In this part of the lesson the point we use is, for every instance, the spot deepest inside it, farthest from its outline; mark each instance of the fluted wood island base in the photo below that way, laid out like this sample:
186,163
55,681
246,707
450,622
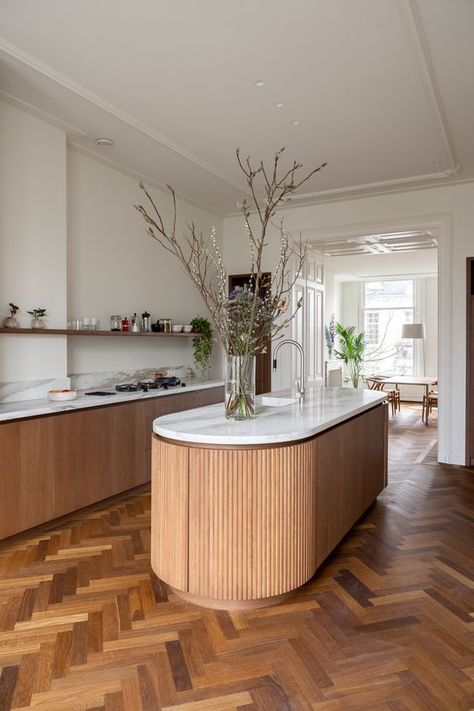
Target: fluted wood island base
237,526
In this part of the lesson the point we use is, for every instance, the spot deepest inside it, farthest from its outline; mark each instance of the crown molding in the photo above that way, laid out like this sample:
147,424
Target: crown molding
415,24
115,165
61,79
366,191
68,128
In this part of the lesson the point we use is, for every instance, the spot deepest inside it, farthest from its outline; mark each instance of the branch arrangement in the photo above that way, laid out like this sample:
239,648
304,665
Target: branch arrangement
249,316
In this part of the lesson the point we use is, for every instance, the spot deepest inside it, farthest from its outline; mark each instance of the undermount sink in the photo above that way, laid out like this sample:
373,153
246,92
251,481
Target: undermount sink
269,401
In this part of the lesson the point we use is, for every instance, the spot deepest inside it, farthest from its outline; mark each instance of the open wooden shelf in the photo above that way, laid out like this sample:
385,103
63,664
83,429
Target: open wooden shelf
71,332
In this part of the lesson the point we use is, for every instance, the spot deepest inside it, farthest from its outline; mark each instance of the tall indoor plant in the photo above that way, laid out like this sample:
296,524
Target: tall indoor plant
245,319
350,349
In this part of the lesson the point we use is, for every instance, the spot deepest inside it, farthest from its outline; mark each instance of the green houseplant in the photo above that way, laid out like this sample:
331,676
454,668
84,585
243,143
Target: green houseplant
350,349
202,344
37,317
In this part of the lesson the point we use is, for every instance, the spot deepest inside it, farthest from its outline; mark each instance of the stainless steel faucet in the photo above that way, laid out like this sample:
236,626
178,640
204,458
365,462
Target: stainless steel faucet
299,384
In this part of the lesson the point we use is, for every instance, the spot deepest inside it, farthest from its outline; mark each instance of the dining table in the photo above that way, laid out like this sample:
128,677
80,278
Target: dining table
425,381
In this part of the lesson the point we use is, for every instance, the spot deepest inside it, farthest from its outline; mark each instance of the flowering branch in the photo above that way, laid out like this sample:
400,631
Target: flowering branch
250,316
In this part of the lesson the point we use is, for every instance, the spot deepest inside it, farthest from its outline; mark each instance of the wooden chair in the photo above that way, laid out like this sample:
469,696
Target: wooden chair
393,396
429,401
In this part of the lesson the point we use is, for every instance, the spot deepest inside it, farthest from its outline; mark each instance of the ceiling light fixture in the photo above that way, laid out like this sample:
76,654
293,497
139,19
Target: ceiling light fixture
259,82
279,104
295,123
107,142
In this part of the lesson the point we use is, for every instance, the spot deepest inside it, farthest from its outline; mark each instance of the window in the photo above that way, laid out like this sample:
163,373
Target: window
387,305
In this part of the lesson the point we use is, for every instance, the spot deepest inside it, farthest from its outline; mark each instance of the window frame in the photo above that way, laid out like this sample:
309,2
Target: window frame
363,308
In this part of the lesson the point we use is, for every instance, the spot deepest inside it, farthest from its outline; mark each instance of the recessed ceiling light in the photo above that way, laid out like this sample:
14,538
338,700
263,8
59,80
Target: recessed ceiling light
259,82
107,142
279,104
295,123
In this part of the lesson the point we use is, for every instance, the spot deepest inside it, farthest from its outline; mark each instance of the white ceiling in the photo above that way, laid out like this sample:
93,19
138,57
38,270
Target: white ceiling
382,88
365,266
387,243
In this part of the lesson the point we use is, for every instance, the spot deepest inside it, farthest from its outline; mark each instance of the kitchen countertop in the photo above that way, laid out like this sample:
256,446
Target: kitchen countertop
321,409
35,408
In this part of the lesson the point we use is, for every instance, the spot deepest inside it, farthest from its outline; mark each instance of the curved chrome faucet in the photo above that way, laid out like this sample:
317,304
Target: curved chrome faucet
299,347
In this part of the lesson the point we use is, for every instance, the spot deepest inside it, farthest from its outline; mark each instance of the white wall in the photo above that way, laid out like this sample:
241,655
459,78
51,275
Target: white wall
456,204
71,241
32,241
115,268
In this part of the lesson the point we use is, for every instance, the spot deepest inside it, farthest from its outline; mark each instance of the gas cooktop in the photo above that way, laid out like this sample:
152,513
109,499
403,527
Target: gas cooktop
145,386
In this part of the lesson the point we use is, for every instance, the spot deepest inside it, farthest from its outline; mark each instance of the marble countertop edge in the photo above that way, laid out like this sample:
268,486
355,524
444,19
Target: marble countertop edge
322,409
37,408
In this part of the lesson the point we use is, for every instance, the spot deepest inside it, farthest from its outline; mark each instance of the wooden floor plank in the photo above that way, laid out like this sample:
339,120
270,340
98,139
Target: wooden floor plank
386,624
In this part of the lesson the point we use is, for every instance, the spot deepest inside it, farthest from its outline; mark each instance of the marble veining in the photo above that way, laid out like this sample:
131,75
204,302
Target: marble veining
321,409
108,379
19,390
35,408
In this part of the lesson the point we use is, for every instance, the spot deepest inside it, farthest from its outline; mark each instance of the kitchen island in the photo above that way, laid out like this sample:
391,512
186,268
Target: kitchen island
243,513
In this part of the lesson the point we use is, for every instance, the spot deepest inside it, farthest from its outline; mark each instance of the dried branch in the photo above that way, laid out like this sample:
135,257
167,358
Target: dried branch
247,319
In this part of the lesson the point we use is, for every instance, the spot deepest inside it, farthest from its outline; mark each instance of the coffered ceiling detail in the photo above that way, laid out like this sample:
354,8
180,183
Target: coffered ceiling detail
380,89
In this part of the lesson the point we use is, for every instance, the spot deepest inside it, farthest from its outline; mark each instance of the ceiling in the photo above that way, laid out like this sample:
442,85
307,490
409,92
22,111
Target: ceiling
382,89
393,264
388,243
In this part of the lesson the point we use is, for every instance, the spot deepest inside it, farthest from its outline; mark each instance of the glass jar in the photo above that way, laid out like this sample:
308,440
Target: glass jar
115,323
166,324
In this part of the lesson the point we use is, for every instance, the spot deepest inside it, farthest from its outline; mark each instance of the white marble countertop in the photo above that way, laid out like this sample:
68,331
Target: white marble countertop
35,408
321,409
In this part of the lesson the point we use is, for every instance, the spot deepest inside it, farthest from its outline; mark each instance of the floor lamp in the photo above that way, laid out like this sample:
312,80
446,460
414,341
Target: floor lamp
415,331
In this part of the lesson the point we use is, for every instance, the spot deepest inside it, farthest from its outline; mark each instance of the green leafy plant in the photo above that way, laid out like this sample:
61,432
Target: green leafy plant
350,349
37,313
202,343
13,309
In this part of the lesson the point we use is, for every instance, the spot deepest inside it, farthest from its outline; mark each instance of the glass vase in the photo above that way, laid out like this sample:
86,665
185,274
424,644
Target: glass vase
240,387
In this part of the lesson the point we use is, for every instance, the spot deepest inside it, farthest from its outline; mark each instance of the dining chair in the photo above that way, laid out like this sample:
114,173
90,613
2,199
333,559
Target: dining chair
393,395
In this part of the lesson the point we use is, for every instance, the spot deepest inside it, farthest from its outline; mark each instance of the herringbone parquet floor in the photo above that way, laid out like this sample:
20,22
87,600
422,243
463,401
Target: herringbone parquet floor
385,624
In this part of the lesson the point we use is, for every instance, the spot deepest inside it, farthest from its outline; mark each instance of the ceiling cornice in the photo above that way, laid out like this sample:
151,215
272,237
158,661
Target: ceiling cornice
100,158
68,83
68,128
415,24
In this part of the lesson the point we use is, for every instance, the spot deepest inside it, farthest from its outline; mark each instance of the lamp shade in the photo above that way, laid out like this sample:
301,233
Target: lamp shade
413,330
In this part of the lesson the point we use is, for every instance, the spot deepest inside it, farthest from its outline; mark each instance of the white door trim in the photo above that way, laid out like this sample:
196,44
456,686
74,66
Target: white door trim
441,224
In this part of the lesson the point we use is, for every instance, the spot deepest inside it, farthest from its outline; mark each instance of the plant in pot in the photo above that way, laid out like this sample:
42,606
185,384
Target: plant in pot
350,349
11,321
202,344
37,317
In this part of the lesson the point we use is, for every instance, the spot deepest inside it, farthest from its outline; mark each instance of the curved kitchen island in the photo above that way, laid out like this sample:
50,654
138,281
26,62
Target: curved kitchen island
245,512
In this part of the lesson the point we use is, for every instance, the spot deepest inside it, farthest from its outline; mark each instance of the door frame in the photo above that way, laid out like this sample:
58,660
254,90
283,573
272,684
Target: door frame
441,224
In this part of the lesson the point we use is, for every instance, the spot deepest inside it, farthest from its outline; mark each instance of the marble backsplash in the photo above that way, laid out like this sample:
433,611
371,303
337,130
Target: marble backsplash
19,390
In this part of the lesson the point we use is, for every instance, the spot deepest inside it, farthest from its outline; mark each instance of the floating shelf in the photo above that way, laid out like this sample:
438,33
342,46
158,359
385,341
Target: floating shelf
71,332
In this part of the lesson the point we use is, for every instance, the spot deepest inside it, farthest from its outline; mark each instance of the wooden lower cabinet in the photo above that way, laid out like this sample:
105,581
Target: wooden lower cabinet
351,466
26,474
99,453
55,464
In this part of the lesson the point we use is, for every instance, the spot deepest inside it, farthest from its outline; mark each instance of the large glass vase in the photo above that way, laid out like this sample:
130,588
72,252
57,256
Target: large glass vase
240,387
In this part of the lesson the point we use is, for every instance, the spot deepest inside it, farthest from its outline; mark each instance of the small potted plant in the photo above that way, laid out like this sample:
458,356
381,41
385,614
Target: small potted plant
10,321
38,316
202,345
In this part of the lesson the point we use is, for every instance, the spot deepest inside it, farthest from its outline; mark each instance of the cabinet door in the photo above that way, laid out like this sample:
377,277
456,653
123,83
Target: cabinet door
351,465
26,474
99,453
